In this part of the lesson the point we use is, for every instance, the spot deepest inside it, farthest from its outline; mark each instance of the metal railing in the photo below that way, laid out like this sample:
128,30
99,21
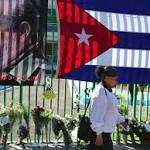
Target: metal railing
64,103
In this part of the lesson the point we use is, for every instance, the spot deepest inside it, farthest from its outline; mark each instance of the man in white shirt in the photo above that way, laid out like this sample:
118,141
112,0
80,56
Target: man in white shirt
103,109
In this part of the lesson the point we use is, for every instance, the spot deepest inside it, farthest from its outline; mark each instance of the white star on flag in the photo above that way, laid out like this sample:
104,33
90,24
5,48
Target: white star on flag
83,37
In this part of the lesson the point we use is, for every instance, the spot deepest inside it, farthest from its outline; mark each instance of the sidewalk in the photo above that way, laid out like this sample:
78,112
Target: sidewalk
51,147
132,147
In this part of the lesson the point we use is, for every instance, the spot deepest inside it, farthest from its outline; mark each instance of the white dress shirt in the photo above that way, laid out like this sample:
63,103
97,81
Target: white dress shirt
103,111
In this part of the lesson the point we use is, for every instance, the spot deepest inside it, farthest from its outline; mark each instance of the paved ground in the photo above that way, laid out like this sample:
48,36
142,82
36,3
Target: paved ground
51,147
132,147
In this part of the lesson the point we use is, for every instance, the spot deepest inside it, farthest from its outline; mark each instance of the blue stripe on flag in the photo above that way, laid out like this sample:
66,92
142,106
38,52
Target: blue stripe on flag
130,40
127,75
119,6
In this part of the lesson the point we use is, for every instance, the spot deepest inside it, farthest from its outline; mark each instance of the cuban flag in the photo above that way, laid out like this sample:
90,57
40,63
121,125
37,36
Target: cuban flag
107,33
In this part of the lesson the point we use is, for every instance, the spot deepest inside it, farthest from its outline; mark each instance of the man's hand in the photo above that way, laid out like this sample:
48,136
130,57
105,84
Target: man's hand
99,140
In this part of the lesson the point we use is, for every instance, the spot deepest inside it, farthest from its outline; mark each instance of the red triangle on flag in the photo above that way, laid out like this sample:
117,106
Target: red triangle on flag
82,37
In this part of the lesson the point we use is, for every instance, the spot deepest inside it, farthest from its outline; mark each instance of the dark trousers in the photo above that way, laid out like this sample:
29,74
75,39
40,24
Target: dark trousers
107,143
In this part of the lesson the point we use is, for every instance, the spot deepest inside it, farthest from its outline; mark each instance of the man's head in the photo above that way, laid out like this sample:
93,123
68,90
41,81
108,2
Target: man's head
19,31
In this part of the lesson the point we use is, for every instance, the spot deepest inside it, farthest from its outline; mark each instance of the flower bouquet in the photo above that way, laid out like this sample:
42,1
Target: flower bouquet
22,132
139,129
41,118
46,117
127,131
8,117
23,129
37,118
59,126
123,109
5,128
49,93
123,130
71,123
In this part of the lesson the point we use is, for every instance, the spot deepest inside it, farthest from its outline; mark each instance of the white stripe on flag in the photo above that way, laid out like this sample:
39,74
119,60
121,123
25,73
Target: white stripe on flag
122,58
147,55
128,26
143,26
148,60
125,21
143,62
121,19
136,58
136,24
129,58
114,57
148,26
